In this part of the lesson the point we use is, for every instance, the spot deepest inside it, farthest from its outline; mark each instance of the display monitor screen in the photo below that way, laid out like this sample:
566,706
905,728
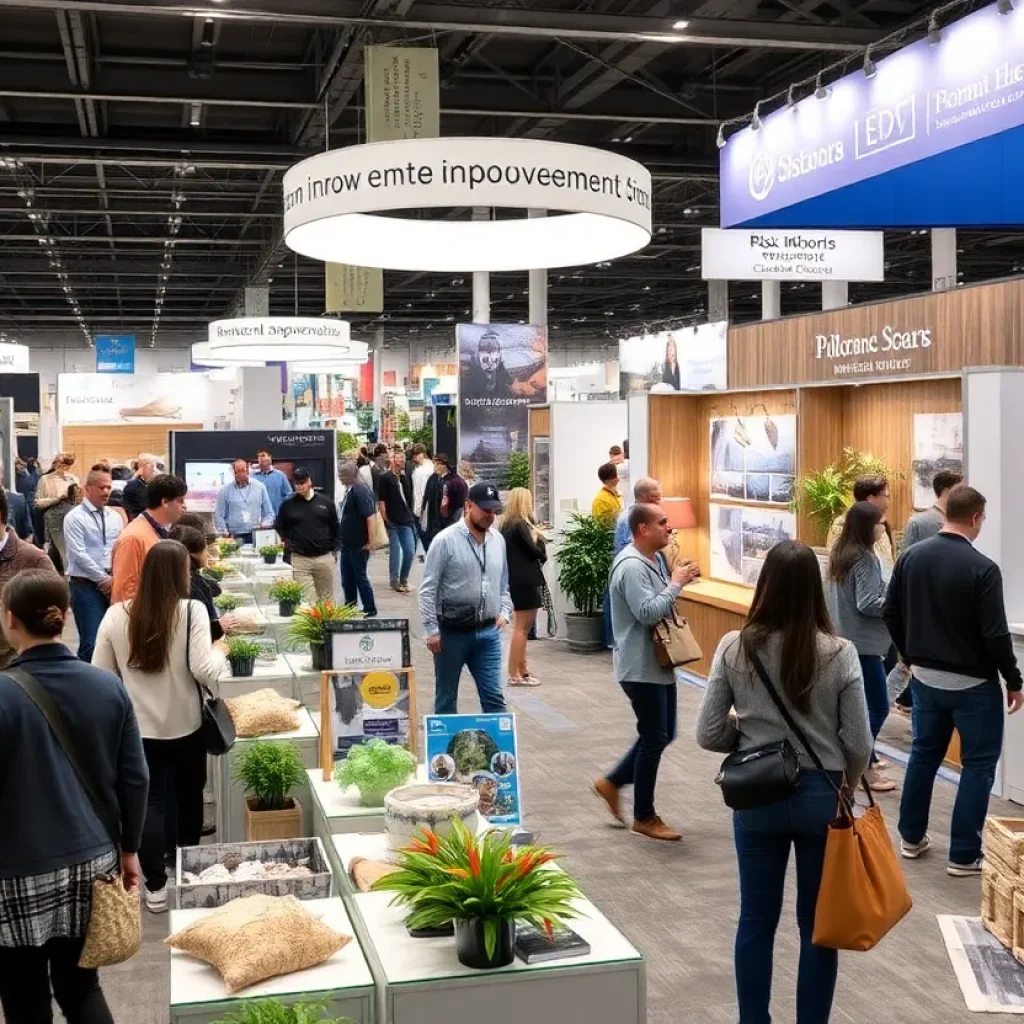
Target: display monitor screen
205,480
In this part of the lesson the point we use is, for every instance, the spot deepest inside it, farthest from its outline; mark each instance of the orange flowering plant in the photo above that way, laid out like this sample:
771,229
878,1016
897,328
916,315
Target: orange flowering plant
464,876
307,625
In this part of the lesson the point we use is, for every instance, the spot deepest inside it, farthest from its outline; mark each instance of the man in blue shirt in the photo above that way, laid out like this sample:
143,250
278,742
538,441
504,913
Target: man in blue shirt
274,480
355,516
646,491
90,530
242,506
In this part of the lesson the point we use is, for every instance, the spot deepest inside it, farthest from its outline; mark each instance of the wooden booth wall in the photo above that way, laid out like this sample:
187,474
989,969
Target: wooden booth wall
121,443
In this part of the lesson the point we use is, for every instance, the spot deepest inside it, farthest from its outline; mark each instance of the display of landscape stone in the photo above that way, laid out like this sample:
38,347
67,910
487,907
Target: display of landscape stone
221,874
430,806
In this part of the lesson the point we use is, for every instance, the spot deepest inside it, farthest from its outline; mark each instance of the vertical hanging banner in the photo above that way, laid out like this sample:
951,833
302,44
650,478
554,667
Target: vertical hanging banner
115,353
503,370
403,101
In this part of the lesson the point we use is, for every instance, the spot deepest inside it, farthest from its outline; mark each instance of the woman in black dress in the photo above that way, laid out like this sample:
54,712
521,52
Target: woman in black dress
525,550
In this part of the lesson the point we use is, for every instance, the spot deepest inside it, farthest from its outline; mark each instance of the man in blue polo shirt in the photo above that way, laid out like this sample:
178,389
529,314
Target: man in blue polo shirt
276,483
242,506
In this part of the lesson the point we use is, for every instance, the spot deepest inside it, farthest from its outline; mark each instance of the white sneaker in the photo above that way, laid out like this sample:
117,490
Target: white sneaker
156,902
914,850
525,681
964,870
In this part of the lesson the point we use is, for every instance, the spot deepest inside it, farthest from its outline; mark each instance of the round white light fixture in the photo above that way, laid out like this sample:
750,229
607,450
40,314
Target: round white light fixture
282,339
202,356
334,205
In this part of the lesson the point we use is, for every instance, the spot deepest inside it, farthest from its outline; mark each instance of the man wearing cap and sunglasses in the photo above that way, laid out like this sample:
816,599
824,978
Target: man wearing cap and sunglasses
465,603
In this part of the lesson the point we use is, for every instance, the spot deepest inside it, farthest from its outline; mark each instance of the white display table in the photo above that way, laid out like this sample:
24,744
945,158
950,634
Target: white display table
343,982
346,846
229,796
307,680
265,576
1009,782
277,625
278,676
420,981
245,564
241,585
336,810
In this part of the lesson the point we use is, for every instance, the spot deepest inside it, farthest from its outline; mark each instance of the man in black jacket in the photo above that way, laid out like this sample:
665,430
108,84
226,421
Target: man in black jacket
945,613
135,494
308,524
395,504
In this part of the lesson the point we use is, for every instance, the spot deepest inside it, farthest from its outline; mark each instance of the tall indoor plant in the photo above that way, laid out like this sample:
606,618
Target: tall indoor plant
308,626
584,561
269,770
484,885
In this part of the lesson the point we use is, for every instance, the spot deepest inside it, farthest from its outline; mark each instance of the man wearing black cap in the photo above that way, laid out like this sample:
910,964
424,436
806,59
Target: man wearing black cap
465,603
307,522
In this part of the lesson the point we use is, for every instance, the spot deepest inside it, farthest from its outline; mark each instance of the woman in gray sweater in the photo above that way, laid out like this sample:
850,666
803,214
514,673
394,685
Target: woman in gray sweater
818,678
855,575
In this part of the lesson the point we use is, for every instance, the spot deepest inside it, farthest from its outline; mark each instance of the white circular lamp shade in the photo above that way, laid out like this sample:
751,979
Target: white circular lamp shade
334,204
201,356
282,339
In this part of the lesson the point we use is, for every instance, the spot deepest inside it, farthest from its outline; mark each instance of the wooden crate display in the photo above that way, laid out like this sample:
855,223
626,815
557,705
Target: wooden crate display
1018,926
1004,844
997,905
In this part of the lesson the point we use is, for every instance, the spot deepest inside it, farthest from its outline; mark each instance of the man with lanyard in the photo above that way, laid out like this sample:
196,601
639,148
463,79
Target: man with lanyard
274,480
242,506
165,504
90,531
465,603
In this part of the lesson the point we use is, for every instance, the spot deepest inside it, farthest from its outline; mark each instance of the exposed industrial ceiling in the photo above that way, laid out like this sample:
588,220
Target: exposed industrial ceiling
142,146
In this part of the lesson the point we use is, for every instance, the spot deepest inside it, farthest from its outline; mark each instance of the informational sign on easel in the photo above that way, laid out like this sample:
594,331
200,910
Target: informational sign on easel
365,644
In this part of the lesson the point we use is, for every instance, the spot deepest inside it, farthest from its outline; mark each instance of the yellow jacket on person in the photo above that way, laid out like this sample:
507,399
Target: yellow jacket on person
606,506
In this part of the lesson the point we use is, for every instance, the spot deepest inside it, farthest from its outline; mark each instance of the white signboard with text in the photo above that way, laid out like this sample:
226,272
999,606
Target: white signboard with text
114,398
786,255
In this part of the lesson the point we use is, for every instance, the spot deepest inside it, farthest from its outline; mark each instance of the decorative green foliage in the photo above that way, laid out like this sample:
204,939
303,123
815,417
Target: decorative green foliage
346,442
271,549
270,1011
584,562
226,602
213,572
286,591
307,626
269,770
518,470
375,767
227,548
239,647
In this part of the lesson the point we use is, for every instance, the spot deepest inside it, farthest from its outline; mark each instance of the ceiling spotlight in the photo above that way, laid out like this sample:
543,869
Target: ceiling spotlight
196,115
681,25
1004,6
755,122
720,141
869,65
934,34
821,91
790,101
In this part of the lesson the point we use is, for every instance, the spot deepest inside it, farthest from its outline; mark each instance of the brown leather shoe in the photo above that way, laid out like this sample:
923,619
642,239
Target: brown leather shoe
610,795
655,828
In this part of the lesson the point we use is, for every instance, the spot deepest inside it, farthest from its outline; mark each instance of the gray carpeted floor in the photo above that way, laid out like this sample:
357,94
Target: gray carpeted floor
676,902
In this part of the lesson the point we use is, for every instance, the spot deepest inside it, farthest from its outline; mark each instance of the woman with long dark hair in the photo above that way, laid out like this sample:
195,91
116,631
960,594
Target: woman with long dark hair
159,643
818,678
858,586
670,369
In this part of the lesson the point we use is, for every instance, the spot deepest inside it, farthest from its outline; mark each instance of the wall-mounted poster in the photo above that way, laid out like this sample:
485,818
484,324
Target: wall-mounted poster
686,359
938,445
741,537
753,458
481,751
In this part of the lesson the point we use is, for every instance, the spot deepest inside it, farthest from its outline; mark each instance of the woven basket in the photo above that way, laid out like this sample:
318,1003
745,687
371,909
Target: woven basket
1004,844
997,913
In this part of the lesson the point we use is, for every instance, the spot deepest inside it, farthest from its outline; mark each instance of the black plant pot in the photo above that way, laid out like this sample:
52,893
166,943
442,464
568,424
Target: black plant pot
270,559
242,666
472,950
286,608
319,653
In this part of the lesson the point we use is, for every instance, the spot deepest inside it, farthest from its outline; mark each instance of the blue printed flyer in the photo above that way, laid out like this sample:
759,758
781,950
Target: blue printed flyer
479,750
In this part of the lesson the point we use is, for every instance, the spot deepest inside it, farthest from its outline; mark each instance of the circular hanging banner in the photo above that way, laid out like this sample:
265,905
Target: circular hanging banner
380,689
333,202
201,356
281,339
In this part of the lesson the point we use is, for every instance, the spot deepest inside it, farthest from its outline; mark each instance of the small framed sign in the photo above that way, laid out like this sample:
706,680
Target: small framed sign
361,645
264,538
365,705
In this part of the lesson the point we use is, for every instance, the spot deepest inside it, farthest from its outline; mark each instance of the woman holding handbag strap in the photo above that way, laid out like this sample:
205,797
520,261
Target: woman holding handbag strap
818,678
59,845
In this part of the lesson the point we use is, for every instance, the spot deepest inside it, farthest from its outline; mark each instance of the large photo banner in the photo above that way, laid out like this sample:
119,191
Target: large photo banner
503,370
687,359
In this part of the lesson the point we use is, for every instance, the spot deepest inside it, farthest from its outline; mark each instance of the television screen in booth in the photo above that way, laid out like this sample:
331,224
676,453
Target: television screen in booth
205,480
686,359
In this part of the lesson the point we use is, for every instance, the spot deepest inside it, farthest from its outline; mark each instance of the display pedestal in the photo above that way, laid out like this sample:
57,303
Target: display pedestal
307,680
229,796
347,846
343,982
336,810
277,676
420,981
265,576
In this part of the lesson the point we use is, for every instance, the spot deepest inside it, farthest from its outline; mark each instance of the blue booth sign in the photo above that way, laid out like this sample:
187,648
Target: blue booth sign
923,101
115,353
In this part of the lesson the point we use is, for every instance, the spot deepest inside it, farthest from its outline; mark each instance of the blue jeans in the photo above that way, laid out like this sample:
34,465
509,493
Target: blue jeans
875,692
763,838
655,708
401,549
89,605
354,580
977,714
606,621
480,652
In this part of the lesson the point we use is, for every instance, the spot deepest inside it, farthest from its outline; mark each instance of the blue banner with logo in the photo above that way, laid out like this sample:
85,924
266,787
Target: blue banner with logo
115,353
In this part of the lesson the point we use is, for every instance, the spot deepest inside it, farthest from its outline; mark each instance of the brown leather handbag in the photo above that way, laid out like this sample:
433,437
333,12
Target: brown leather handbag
674,643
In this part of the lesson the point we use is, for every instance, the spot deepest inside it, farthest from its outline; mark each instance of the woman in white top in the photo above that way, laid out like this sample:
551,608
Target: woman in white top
159,644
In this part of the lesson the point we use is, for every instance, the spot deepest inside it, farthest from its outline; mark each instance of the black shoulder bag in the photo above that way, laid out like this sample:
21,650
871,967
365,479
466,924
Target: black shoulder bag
217,724
769,773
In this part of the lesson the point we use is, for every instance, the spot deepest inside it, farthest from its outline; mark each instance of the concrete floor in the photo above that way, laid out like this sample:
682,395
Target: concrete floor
677,902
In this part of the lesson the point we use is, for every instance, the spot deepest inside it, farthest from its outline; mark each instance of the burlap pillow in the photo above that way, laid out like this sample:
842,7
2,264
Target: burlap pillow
263,712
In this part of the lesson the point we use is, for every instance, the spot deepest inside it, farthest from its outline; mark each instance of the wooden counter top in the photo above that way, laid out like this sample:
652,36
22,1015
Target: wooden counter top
730,597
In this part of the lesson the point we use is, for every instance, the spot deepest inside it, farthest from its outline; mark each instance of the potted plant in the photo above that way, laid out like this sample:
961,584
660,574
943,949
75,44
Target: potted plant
226,602
213,572
269,770
242,654
227,548
270,552
308,627
287,594
375,767
271,1011
584,562
484,885
517,472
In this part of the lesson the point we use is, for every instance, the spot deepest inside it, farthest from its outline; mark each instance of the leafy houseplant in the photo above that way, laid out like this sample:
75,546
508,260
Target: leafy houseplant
213,572
287,594
269,770
271,1011
584,562
226,602
375,768
484,885
518,471
346,442
242,654
227,548
308,627
270,552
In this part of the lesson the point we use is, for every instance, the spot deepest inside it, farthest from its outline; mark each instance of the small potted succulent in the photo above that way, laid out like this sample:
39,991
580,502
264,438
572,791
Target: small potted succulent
270,552
268,770
271,1011
375,767
227,548
484,885
226,602
308,626
242,654
287,594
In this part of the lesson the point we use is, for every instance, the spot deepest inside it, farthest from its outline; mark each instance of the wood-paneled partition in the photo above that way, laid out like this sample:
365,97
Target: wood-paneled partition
91,444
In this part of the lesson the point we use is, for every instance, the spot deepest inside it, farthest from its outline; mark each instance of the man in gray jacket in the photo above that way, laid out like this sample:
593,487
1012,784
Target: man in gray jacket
642,594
